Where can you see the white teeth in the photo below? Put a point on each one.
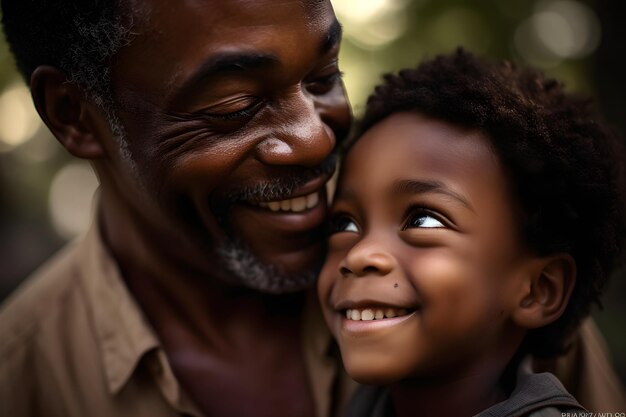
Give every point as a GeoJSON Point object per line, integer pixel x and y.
{"type": "Point", "coordinates": [312, 200]}
{"type": "Point", "coordinates": [298, 204]}
{"type": "Point", "coordinates": [295, 205]}
{"type": "Point", "coordinates": [369, 314]}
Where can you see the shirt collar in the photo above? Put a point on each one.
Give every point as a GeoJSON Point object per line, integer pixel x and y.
{"type": "Point", "coordinates": [123, 334]}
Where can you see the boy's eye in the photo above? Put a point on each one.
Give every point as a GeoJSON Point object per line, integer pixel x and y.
{"type": "Point", "coordinates": [422, 218]}
{"type": "Point", "coordinates": [343, 223]}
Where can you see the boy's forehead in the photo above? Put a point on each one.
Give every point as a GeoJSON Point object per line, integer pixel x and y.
{"type": "Point", "coordinates": [409, 140]}
{"type": "Point", "coordinates": [410, 146]}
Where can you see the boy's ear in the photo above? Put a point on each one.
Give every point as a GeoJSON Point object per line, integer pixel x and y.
{"type": "Point", "coordinates": [64, 109]}
{"type": "Point", "coordinates": [546, 291]}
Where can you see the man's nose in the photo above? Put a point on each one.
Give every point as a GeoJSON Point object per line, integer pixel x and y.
{"type": "Point", "coordinates": [367, 257]}
{"type": "Point", "coordinates": [299, 137]}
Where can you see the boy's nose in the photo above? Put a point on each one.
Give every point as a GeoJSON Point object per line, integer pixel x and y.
{"type": "Point", "coordinates": [367, 258]}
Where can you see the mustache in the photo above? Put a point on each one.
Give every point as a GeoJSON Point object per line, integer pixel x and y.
{"type": "Point", "coordinates": [283, 187]}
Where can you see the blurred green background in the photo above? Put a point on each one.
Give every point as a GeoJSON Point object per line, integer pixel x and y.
{"type": "Point", "coordinates": [45, 195]}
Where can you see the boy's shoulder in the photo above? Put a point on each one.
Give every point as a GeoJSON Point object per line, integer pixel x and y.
{"type": "Point", "coordinates": [535, 395]}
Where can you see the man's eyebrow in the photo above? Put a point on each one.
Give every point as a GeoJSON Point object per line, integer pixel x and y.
{"type": "Point", "coordinates": [238, 61]}
{"type": "Point", "coordinates": [229, 62]}
{"type": "Point", "coordinates": [332, 37]}
{"type": "Point", "coordinates": [423, 187]}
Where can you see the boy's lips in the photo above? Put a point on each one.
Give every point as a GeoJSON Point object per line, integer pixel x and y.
{"type": "Point", "coordinates": [372, 314]}
{"type": "Point", "coordinates": [351, 326]}
{"type": "Point", "coordinates": [375, 313]}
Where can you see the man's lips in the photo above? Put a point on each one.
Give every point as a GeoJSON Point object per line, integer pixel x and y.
{"type": "Point", "coordinates": [300, 213]}
{"type": "Point", "coordinates": [295, 205]}
{"type": "Point", "coordinates": [304, 198]}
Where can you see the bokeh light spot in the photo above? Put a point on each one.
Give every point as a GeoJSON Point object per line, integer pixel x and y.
{"type": "Point", "coordinates": [19, 120]}
{"type": "Point", "coordinates": [558, 30]}
{"type": "Point", "coordinates": [70, 199]}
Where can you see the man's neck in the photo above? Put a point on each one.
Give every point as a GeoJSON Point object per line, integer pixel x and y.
{"type": "Point", "coordinates": [238, 345]}
{"type": "Point", "coordinates": [174, 292]}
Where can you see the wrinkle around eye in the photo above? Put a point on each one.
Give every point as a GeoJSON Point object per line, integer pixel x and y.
{"type": "Point", "coordinates": [231, 107]}
{"type": "Point", "coordinates": [184, 134]}
{"type": "Point", "coordinates": [324, 84]}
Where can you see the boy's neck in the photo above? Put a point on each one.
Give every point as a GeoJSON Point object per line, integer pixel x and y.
{"type": "Point", "coordinates": [464, 395]}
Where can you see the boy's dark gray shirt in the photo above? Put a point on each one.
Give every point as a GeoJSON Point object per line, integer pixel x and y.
{"type": "Point", "coordinates": [535, 395]}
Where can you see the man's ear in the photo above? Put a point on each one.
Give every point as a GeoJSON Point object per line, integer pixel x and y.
{"type": "Point", "coordinates": [546, 291]}
{"type": "Point", "coordinates": [64, 109]}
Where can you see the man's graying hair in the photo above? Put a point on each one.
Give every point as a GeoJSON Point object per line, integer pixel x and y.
{"type": "Point", "coordinates": [77, 36]}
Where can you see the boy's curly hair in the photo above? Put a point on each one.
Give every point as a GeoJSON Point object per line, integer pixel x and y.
{"type": "Point", "coordinates": [563, 167]}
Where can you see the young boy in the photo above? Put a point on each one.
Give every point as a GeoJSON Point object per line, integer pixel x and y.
{"type": "Point", "coordinates": [477, 217]}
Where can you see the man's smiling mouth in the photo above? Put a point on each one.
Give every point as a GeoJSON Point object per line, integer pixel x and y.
{"type": "Point", "coordinates": [295, 205]}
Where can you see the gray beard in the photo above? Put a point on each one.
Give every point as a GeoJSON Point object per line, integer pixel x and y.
{"type": "Point", "coordinates": [241, 265]}
{"type": "Point", "coordinates": [245, 269]}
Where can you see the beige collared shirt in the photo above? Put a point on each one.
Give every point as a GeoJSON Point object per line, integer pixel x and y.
{"type": "Point", "coordinates": [74, 343]}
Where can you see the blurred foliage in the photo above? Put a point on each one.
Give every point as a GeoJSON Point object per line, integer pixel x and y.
{"type": "Point", "coordinates": [426, 28]}
{"type": "Point", "coordinates": [379, 36]}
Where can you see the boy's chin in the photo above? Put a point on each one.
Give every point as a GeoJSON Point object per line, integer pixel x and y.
{"type": "Point", "coordinates": [375, 371]}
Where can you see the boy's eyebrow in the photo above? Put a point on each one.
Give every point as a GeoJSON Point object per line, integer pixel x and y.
{"type": "Point", "coordinates": [422, 187]}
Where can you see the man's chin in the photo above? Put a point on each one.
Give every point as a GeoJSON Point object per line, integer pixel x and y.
{"type": "Point", "coordinates": [243, 268]}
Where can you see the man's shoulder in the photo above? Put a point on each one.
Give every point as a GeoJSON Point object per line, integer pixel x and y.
{"type": "Point", "coordinates": [41, 298]}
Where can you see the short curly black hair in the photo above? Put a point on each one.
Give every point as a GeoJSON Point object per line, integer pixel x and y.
{"type": "Point", "coordinates": [78, 37]}
{"type": "Point", "coordinates": [562, 165]}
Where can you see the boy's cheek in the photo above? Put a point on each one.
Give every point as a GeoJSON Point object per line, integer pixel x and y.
{"type": "Point", "coordinates": [325, 284]}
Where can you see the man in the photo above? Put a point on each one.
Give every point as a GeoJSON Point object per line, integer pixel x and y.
{"type": "Point", "coordinates": [211, 126]}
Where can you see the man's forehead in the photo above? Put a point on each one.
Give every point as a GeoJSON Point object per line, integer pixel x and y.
{"type": "Point", "coordinates": [140, 10]}
{"type": "Point", "coordinates": [315, 5]}
{"type": "Point", "coordinates": [159, 19]}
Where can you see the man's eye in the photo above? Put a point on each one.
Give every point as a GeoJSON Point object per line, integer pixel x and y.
{"type": "Point", "coordinates": [422, 218]}
{"type": "Point", "coordinates": [240, 108]}
{"type": "Point", "coordinates": [324, 84]}
{"type": "Point", "coordinates": [343, 224]}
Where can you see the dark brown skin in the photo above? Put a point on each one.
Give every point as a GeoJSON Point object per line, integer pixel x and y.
{"type": "Point", "coordinates": [424, 224]}
{"type": "Point", "coordinates": [277, 112]}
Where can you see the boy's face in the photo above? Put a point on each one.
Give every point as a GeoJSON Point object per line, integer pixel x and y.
{"type": "Point", "coordinates": [423, 229]}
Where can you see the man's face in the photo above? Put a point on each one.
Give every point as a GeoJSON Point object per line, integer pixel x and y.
{"type": "Point", "coordinates": [424, 264]}
{"type": "Point", "coordinates": [232, 110]}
